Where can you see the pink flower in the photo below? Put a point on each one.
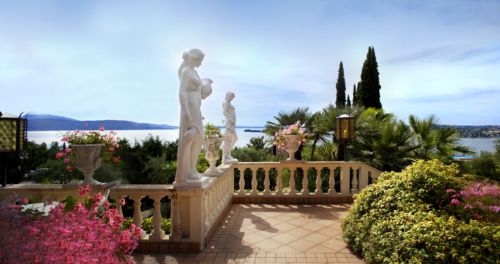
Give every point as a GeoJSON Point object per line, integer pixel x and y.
{"type": "Point", "coordinates": [455, 202]}
{"type": "Point", "coordinates": [116, 160]}
{"type": "Point", "coordinates": [495, 209]}
{"type": "Point", "coordinates": [26, 200]}
{"type": "Point", "coordinates": [59, 155]}
{"type": "Point", "coordinates": [66, 160]}
{"type": "Point", "coordinates": [84, 190]}
{"type": "Point", "coordinates": [69, 168]}
{"type": "Point", "coordinates": [450, 191]}
{"type": "Point", "coordinates": [101, 128]}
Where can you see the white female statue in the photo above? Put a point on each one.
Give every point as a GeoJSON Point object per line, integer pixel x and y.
{"type": "Point", "coordinates": [192, 90]}
{"type": "Point", "coordinates": [230, 136]}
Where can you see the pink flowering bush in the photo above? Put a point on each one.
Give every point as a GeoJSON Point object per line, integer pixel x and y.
{"type": "Point", "coordinates": [72, 232]}
{"type": "Point", "coordinates": [295, 129]}
{"type": "Point", "coordinates": [81, 137]}
{"type": "Point", "coordinates": [478, 200]}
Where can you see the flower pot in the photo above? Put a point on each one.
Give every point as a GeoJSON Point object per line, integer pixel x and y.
{"type": "Point", "coordinates": [212, 146]}
{"type": "Point", "coordinates": [88, 160]}
{"type": "Point", "coordinates": [292, 144]}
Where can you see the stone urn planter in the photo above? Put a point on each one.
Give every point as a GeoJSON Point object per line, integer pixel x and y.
{"type": "Point", "coordinates": [212, 146]}
{"type": "Point", "coordinates": [292, 144]}
{"type": "Point", "coordinates": [88, 160]}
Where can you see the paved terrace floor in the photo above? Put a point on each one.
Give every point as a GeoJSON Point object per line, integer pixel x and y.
{"type": "Point", "coordinates": [253, 233]}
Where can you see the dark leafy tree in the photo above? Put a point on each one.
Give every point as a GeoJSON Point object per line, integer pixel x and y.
{"type": "Point", "coordinates": [368, 93]}
{"type": "Point", "coordinates": [340, 102]}
{"type": "Point", "coordinates": [354, 101]}
{"type": "Point", "coordinates": [348, 104]}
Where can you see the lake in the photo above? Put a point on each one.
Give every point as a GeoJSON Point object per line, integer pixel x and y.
{"type": "Point", "coordinates": [139, 135]}
{"type": "Point", "coordinates": [476, 144]}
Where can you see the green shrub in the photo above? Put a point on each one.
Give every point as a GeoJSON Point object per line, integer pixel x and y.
{"type": "Point", "coordinates": [400, 219]}
{"type": "Point", "coordinates": [147, 224]}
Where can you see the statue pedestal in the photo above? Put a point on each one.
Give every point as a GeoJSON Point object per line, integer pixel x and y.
{"type": "Point", "coordinates": [192, 183]}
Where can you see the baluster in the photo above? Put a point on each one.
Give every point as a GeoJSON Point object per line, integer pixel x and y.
{"type": "Point", "coordinates": [279, 182]}
{"type": "Point", "coordinates": [267, 182]}
{"type": "Point", "coordinates": [157, 233]}
{"type": "Point", "coordinates": [319, 191]}
{"type": "Point", "coordinates": [254, 182]}
{"type": "Point", "coordinates": [305, 181]}
{"type": "Point", "coordinates": [363, 178]}
{"type": "Point", "coordinates": [137, 213]}
{"type": "Point", "coordinates": [354, 181]}
{"type": "Point", "coordinates": [292, 182]}
{"type": "Point", "coordinates": [119, 204]}
{"type": "Point", "coordinates": [175, 216]}
{"type": "Point", "coordinates": [242, 182]}
{"type": "Point", "coordinates": [331, 182]}
{"type": "Point", "coordinates": [344, 179]}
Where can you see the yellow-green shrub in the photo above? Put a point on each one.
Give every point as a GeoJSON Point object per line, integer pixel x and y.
{"type": "Point", "coordinates": [399, 220]}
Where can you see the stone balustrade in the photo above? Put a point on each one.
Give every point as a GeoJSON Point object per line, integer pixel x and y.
{"type": "Point", "coordinates": [290, 182]}
{"type": "Point", "coordinates": [197, 212]}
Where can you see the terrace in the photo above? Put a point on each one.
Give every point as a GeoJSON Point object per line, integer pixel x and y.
{"type": "Point", "coordinates": [264, 216]}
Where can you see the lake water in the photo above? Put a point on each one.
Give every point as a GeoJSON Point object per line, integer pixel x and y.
{"type": "Point", "coordinates": [476, 144]}
{"type": "Point", "coordinates": [139, 135]}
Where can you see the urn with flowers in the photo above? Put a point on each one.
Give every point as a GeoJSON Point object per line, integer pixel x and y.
{"type": "Point", "coordinates": [213, 141]}
{"type": "Point", "coordinates": [86, 151]}
{"type": "Point", "coordinates": [289, 139]}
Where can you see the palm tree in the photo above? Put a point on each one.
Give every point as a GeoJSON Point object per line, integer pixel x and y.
{"type": "Point", "coordinates": [324, 124]}
{"type": "Point", "coordinates": [382, 141]}
{"type": "Point", "coordinates": [424, 138]}
{"type": "Point", "coordinates": [432, 141]}
{"type": "Point", "coordinates": [283, 119]}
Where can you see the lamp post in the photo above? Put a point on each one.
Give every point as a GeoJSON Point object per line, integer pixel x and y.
{"type": "Point", "coordinates": [345, 131]}
{"type": "Point", "coordinates": [12, 141]}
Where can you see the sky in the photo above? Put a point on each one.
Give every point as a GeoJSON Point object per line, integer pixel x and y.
{"type": "Point", "coordinates": [92, 60]}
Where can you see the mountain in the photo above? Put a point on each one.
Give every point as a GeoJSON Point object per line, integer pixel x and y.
{"type": "Point", "coordinates": [38, 122]}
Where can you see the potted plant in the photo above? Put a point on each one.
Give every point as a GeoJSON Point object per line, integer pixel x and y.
{"type": "Point", "coordinates": [289, 139]}
{"type": "Point", "coordinates": [213, 141]}
{"type": "Point", "coordinates": [87, 149]}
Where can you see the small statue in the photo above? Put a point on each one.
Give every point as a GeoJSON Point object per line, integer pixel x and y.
{"type": "Point", "coordinates": [192, 90]}
{"type": "Point", "coordinates": [230, 136]}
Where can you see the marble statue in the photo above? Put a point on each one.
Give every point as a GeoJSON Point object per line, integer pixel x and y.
{"type": "Point", "coordinates": [192, 90]}
{"type": "Point", "coordinates": [230, 136]}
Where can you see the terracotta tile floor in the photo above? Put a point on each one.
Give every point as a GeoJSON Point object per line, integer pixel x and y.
{"type": "Point", "coordinates": [254, 233]}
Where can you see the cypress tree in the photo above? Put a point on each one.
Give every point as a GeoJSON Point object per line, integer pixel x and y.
{"type": "Point", "coordinates": [368, 93]}
{"type": "Point", "coordinates": [348, 104]}
{"type": "Point", "coordinates": [354, 95]}
{"type": "Point", "coordinates": [340, 102]}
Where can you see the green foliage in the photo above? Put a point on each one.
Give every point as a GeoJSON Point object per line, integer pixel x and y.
{"type": "Point", "coordinates": [368, 92]}
{"type": "Point", "coordinates": [432, 141]}
{"type": "Point", "coordinates": [147, 224]}
{"type": "Point", "coordinates": [152, 161]}
{"type": "Point", "coordinates": [108, 172]}
{"type": "Point", "coordinates": [54, 171]}
{"type": "Point", "coordinates": [382, 141]}
{"type": "Point", "coordinates": [203, 163]}
{"type": "Point", "coordinates": [340, 99]}
{"type": "Point", "coordinates": [247, 154]}
{"type": "Point", "coordinates": [159, 171]}
{"type": "Point", "coordinates": [484, 166]}
{"type": "Point", "coordinates": [400, 219]}
{"type": "Point", "coordinates": [257, 143]}
{"type": "Point", "coordinates": [283, 119]}
{"type": "Point", "coordinates": [35, 155]}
